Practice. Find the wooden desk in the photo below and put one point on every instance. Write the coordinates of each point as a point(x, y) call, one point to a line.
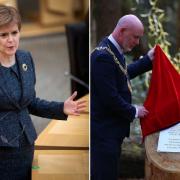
point(159, 165)
point(60, 165)
point(70, 134)
point(9, 2)
point(52, 12)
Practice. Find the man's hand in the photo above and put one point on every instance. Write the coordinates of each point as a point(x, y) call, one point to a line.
point(151, 53)
point(142, 111)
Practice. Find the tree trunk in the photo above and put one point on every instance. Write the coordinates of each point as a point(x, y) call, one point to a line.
point(106, 14)
point(159, 165)
point(107, 17)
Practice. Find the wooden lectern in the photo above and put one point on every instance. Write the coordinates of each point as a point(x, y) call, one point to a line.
point(60, 165)
point(70, 134)
point(63, 149)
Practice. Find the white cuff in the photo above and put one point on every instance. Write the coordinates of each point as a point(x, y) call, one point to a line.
point(136, 115)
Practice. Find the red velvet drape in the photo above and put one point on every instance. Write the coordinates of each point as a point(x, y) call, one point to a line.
point(163, 99)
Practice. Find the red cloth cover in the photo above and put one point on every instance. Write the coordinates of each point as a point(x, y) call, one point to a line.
point(163, 99)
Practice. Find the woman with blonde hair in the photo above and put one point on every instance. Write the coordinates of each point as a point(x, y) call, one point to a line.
point(18, 100)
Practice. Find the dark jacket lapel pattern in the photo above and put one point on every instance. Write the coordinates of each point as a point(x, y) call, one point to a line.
point(6, 90)
point(27, 78)
point(27, 75)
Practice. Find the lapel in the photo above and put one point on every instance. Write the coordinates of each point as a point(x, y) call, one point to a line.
point(5, 87)
point(23, 64)
point(21, 60)
point(119, 56)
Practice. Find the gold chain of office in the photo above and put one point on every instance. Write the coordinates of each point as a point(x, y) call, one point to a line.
point(123, 69)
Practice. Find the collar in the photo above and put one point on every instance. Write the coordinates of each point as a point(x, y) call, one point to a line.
point(111, 38)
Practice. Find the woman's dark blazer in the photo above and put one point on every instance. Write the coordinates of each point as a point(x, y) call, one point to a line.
point(15, 115)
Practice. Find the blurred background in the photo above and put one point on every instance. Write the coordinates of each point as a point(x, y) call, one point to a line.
point(161, 19)
point(56, 34)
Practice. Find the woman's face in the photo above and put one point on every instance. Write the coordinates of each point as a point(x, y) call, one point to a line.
point(9, 40)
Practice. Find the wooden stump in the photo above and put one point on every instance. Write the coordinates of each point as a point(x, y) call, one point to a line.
point(160, 165)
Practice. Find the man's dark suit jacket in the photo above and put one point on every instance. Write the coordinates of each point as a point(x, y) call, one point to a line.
point(14, 116)
point(111, 109)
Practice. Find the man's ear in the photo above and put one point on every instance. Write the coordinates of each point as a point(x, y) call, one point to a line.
point(122, 30)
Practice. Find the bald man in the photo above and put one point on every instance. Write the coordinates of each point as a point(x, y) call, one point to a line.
point(111, 108)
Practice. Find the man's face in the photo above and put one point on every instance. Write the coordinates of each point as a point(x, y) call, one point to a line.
point(131, 38)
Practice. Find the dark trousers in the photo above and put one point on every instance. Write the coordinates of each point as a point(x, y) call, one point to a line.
point(105, 154)
point(16, 163)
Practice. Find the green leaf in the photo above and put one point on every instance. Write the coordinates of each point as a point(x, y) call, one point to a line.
point(153, 2)
point(35, 167)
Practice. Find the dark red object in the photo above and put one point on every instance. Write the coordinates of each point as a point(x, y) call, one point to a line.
point(163, 99)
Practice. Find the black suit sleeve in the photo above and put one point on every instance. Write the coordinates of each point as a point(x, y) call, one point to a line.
point(104, 72)
point(139, 67)
point(46, 109)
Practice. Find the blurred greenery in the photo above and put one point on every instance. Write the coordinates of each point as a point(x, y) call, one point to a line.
point(103, 21)
point(157, 34)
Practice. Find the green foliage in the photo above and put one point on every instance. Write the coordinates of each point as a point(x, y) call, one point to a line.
point(157, 34)
point(138, 85)
point(156, 30)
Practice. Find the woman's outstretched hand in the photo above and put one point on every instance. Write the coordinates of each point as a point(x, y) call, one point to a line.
point(72, 107)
